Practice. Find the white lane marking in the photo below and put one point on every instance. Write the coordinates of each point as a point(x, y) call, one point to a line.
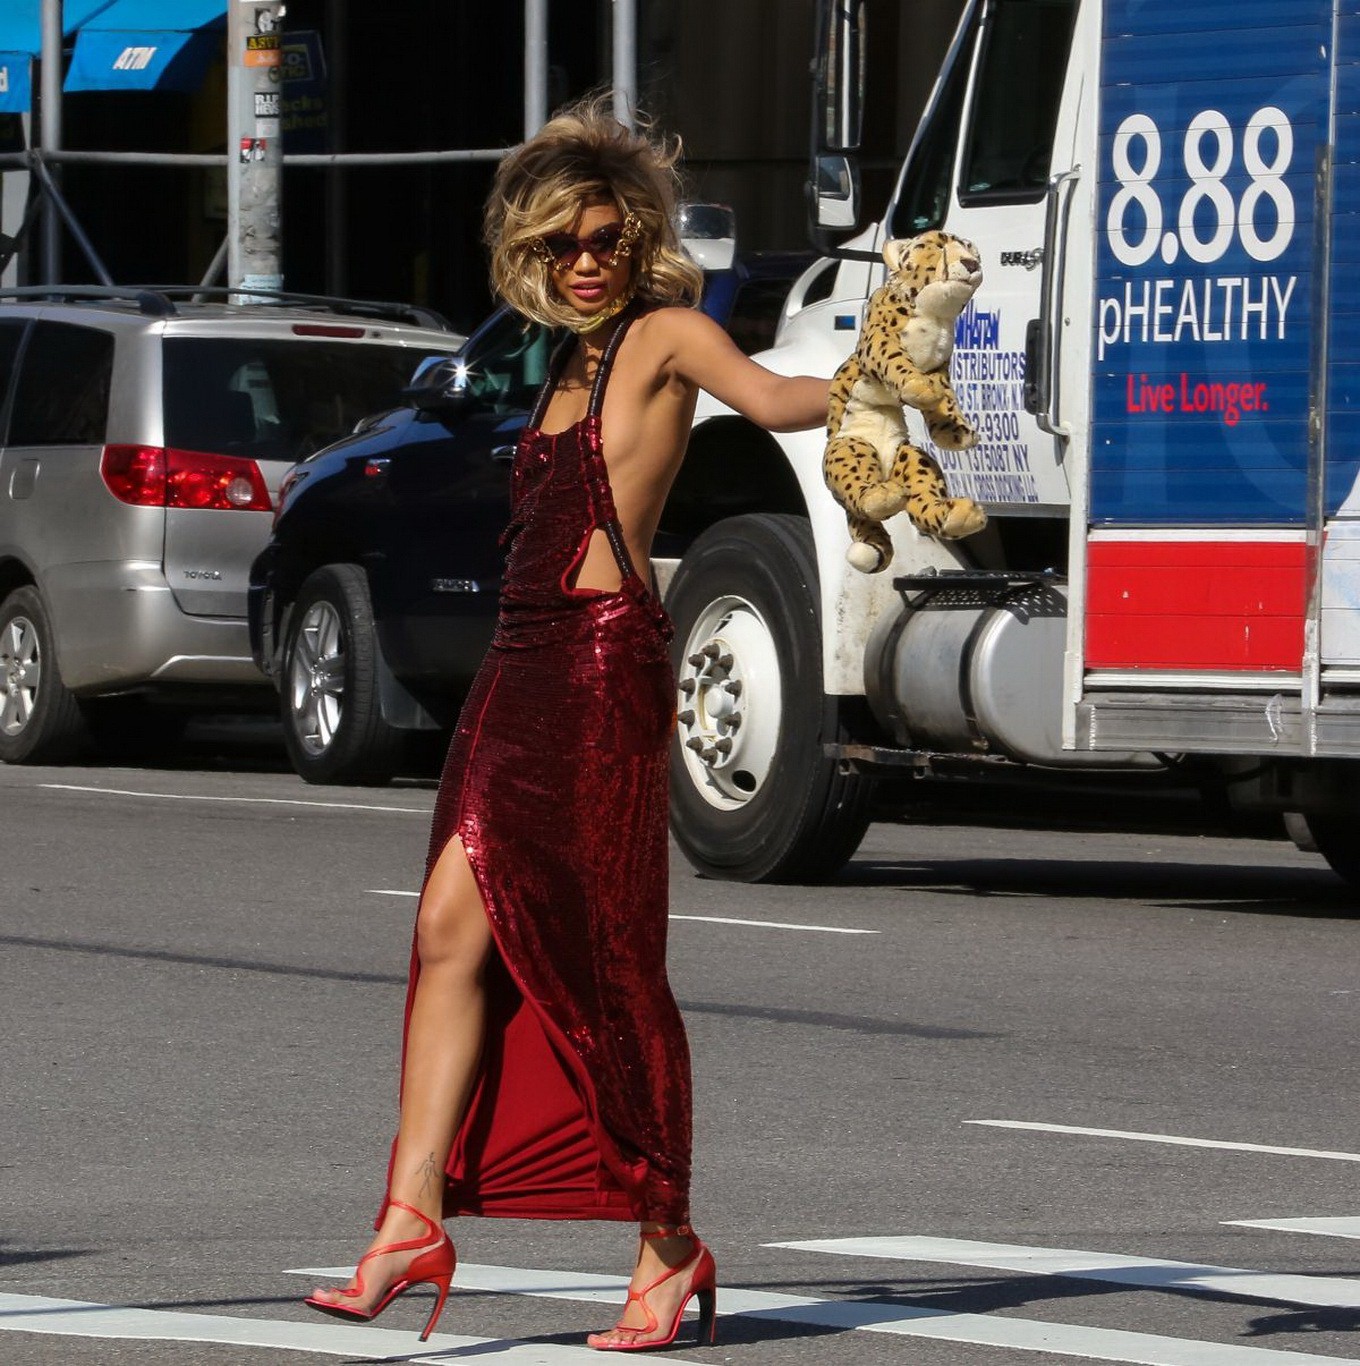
point(253, 801)
point(987, 1330)
point(1344, 1227)
point(1152, 1273)
point(77, 1318)
point(1166, 1138)
point(707, 919)
point(772, 924)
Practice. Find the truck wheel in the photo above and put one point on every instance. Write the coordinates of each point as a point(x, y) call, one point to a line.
point(1335, 839)
point(40, 720)
point(332, 721)
point(754, 797)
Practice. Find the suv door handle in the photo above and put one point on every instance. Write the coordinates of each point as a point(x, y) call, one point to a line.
point(503, 452)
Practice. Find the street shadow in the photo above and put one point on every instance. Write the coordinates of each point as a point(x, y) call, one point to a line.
point(1266, 890)
point(32, 1256)
point(1307, 1321)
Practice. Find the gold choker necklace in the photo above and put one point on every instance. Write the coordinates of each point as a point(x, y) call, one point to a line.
point(584, 326)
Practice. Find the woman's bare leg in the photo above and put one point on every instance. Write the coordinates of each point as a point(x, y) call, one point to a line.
point(443, 1049)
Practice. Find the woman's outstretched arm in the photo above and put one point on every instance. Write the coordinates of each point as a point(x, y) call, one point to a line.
point(701, 353)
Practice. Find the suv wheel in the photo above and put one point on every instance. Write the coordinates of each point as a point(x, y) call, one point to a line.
point(332, 721)
point(40, 720)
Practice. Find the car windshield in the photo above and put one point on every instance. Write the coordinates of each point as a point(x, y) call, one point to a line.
point(277, 400)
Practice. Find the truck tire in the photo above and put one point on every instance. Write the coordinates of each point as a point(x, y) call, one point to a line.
point(1336, 838)
point(754, 796)
point(333, 726)
point(40, 720)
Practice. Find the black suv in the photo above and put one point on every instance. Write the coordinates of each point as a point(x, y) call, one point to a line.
point(375, 599)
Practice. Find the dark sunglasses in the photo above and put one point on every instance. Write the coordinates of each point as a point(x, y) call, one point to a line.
point(607, 244)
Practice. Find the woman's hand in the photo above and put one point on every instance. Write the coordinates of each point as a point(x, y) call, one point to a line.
point(702, 354)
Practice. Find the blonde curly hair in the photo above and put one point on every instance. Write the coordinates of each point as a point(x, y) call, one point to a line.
point(581, 156)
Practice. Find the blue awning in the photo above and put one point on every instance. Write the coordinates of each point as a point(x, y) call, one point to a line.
point(16, 82)
point(147, 45)
point(21, 41)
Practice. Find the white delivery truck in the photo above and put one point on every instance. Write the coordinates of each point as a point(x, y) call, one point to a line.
point(1163, 365)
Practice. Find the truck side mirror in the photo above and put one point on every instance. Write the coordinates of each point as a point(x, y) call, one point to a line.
point(835, 191)
point(840, 75)
point(838, 115)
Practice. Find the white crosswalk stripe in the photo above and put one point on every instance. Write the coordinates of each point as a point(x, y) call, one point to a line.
point(365, 1342)
point(1346, 1226)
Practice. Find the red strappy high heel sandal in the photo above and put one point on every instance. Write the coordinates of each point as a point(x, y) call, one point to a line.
point(702, 1274)
point(434, 1265)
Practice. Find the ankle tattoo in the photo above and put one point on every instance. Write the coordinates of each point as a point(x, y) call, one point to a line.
point(429, 1174)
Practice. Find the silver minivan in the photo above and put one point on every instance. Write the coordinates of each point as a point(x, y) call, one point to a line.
point(142, 443)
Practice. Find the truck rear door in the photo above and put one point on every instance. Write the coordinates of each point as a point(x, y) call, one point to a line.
point(1196, 563)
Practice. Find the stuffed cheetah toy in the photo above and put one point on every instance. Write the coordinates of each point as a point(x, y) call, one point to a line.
point(902, 361)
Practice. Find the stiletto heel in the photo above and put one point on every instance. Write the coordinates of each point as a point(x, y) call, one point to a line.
point(434, 1264)
point(708, 1316)
point(703, 1285)
point(442, 1284)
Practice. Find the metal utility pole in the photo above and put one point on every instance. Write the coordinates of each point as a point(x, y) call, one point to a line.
point(49, 133)
point(625, 61)
point(535, 65)
point(254, 152)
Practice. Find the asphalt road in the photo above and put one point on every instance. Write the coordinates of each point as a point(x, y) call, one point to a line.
point(1004, 1094)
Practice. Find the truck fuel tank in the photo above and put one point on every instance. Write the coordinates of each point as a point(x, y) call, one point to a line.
point(972, 664)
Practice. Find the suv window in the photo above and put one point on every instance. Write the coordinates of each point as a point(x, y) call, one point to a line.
point(755, 313)
point(276, 399)
point(11, 334)
point(63, 393)
point(507, 362)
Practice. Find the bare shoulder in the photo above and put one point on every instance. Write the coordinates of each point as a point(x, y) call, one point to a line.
point(677, 328)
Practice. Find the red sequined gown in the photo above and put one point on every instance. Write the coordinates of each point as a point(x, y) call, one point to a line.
point(556, 784)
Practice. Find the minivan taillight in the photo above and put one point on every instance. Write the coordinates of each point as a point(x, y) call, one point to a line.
point(159, 476)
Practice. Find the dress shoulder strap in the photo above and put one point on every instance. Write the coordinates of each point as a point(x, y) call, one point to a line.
point(607, 363)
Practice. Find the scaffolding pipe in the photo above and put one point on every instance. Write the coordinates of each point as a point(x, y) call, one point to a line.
point(49, 131)
point(535, 65)
point(625, 61)
point(337, 183)
point(56, 204)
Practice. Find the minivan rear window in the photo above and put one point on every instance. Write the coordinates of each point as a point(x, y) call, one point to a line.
point(276, 400)
point(63, 394)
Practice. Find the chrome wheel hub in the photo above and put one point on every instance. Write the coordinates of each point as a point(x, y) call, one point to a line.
point(21, 670)
point(729, 702)
point(316, 678)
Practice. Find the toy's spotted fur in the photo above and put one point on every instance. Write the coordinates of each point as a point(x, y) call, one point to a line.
point(902, 360)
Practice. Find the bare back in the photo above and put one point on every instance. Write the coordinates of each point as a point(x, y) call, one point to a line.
point(648, 409)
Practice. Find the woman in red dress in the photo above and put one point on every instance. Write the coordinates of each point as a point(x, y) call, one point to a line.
point(545, 1072)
